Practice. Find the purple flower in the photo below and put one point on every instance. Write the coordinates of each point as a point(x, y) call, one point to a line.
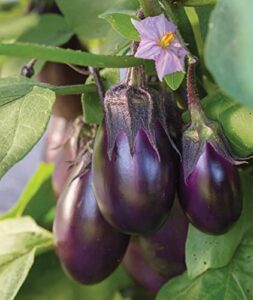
point(160, 43)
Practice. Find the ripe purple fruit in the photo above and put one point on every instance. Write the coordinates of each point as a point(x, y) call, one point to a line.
point(89, 248)
point(137, 266)
point(211, 196)
point(209, 182)
point(134, 192)
point(134, 164)
point(164, 250)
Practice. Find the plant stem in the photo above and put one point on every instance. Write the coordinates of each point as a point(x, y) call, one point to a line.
point(192, 93)
point(150, 7)
point(100, 89)
point(197, 3)
point(72, 89)
point(68, 56)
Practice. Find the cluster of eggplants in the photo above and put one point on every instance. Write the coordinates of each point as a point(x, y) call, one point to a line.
point(129, 189)
point(209, 188)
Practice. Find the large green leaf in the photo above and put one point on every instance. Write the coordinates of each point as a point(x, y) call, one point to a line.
point(233, 282)
point(204, 13)
point(19, 240)
point(229, 48)
point(22, 123)
point(204, 251)
point(47, 281)
point(37, 198)
point(51, 29)
point(82, 16)
point(68, 56)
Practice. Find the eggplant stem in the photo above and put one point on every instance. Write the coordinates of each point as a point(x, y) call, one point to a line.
point(100, 89)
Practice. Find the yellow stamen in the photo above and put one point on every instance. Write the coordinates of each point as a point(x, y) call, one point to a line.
point(166, 39)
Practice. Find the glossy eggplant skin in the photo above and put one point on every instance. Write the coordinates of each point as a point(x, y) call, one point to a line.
point(88, 247)
point(165, 249)
point(134, 192)
point(140, 270)
point(211, 196)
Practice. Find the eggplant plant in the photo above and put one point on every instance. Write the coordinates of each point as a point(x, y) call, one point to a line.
point(144, 111)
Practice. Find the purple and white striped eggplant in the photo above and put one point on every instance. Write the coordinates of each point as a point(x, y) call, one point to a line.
point(134, 163)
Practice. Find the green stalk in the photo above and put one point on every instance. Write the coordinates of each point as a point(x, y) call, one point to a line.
point(68, 56)
point(150, 7)
point(198, 2)
point(73, 89)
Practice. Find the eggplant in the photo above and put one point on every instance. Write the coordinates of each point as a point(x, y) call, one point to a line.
point(140, 270)
point(88, 247)
point(164, 250)
point(211, 196)
point(134, 191)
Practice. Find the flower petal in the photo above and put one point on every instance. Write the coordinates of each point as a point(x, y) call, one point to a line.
point(163, 25)
point(148, 49)
point(167, 63)
point(146, 29)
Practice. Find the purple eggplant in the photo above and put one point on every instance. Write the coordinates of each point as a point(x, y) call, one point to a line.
point(165, 249)
point(134, 191)
point(136, 265)
point(88, 247)
point(211, 195)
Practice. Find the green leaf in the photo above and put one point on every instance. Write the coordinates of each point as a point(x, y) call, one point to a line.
point(82, 17)
point(122, 24)
point(37, 198)
point(204, 251)
point(22, 123)
point(204, 13)
point(229, 48)
point(15, 87)
point(47, 281)
point(92, 109)
point(174, 80)
point(19, 240)
point(235, 119)
point(234, 281)
point(68, 56)
point(51, 29)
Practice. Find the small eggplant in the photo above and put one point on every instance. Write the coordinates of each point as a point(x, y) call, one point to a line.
point(209, 190)
point(211, 196)
point(136, 265)
point(164, 250)
point(89, 248)
point(134, 163)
